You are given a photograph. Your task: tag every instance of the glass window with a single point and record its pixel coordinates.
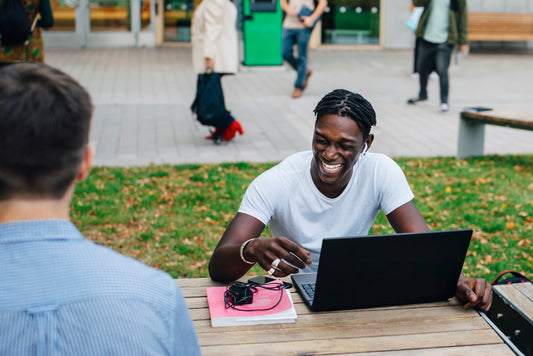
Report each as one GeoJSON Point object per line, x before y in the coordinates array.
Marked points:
{"type": "Point", "coordinates": [351, 22]}
{"type": "Point", "coordinates": [64, 15]}
{"type": "Point", "coordinates": [178, 14]}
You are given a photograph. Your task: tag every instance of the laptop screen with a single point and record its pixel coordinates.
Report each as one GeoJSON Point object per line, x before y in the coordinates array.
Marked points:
{"type": "Point", "coordinates": [380, 270]}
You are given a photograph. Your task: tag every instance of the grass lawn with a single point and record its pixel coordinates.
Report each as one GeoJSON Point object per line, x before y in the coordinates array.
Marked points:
{"type": "Point", "coordinates": [171, 217]}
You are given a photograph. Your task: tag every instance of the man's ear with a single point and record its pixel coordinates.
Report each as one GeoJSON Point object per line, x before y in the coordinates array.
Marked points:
{"type": "Point", "coordinates": [85, 166]}
{"type": "Point", "coordinates": [369, 140]}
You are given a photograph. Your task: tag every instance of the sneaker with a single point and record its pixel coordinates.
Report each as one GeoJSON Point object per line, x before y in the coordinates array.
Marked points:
{"type": "Point", "coordinates": [444, 107]}
{"type": "Point", "coordinates": [416, 99]}
{"type": "Point", "coordinates": [433, 76]}
{"type": "Point", "coordinates": [296, 93]}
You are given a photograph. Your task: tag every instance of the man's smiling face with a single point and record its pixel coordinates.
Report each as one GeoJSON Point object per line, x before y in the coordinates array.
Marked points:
{"type": "Point", "coordinates": [337, 144]}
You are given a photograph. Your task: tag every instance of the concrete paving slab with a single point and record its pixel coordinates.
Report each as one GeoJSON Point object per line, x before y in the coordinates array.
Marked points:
{"type": "Point", "coordinates": [142, 99]}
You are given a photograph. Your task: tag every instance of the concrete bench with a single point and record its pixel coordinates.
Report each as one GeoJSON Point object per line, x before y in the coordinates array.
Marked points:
{"type": "Point", "coordinates": [497, 26]}
{"type": "Point", "coordinates": [472, 128]}
{"type": "Point", "coordinates": [342, 36]}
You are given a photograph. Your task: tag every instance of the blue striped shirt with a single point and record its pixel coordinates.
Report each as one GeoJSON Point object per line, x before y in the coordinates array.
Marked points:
{"type": "Point", "coordinates": [61, 294]}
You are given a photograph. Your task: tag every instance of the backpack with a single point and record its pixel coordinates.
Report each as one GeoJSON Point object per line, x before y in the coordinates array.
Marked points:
{"type": "Point", "coordinates": [15, 27]}
{"type": "Point", "coordinates": [516, 278]}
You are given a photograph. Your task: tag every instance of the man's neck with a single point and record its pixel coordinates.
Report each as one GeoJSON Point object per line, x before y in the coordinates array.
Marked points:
{"type": "Point", "coordinates": [33, 209]}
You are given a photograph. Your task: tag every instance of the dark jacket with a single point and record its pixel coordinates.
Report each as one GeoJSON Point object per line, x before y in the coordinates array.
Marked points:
{"type": "Point", "coordinates": [458, 30]}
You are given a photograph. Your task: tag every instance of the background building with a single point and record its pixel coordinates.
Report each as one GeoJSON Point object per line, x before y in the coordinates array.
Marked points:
{"type": "Point", "coordinates": [150, 23]}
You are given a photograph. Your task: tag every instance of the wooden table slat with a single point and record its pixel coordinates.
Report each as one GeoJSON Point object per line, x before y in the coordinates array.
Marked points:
{"type": "Point", "coordinates": [486, 350]}
{"type": "Point", "coordinates": [369, 315]}
{"type": "Point", "coordinates": [526, 289]}
{"type": "Point", "coordinates": [377, 343]}
{"type": "Point", "coordinates": [314, 332]}
{"type": "Point", "coordinates": [520, 295]}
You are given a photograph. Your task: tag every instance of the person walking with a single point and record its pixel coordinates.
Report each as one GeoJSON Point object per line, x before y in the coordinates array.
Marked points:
{"type": "Point", "coordinates": [442, 25]}
{"type": "Point", "coordinates": [297, 30]}
{"type": "Point", "coordinates": [215, 50]}
{"type": "Point", "coordinates": [33, 49]}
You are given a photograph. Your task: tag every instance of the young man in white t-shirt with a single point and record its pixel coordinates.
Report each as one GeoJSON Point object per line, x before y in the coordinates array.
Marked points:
{"type": "Point", "coordinates": [334, 190]}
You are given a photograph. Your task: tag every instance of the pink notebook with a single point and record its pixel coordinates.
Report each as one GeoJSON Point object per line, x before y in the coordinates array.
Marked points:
{"type": "Point", "coordinates": [284, 312]}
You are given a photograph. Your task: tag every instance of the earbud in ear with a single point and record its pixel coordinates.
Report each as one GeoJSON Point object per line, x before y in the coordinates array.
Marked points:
{"type": "Point", "coordinates": [365, 149]}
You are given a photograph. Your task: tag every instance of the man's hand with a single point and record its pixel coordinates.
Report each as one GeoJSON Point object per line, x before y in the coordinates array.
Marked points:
{"type": "Point", "coordinates": [308, 21]}
{"type": "Point", "coordinates": [266, 250]}
{"type": "Point", "coordinates": [475, 293]}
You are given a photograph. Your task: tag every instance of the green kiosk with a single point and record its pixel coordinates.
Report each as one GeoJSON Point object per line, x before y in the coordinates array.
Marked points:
{"type": "Point", "coordinates": [262, 33]}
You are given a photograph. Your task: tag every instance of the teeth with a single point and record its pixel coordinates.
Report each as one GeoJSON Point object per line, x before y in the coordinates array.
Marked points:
{"type": "Point", "coordinates": [331, 167]}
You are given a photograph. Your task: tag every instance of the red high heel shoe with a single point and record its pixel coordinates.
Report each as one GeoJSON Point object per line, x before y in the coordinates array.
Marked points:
{"type": "Point", "coordinates": [229, 132]}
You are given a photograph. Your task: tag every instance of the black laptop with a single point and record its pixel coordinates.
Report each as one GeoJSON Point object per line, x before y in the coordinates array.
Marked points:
{"type": "Point", "coordinates": [382, 270]}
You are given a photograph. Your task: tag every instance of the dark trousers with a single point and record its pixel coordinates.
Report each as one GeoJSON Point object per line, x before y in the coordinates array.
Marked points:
{"type": "Point", "coordinates": [439, 55]}
{"type": "Point", "coordinates": [415, 59]}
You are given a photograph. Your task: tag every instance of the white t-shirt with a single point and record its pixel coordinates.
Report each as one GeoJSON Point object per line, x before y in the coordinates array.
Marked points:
{"type": "Point", "coordinates": [286, 198]}
{"type": "Point", "coordinates": [293, 22]}
{"type": "Point", "coordinates": [438, 23]}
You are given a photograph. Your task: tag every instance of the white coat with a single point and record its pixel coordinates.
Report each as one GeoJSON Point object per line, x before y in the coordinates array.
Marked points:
{"type": "Point", "coordinates": [214, 35]}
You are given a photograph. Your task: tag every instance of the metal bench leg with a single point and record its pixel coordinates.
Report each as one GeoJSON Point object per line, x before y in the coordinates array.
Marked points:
{"type": "Point", "coordinates": [471, 139]}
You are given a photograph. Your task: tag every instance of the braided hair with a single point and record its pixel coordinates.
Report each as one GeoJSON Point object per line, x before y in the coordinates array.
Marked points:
{"type": "Point", "coordinates": [343, 102]}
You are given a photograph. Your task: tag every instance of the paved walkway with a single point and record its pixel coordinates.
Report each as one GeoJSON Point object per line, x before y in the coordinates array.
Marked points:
{"type": "Point", "coordinates": [142, 99]}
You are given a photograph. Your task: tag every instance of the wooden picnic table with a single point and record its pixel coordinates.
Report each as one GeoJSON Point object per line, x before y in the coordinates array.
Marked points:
{"type": "Point", "coordinates": [441, 328]}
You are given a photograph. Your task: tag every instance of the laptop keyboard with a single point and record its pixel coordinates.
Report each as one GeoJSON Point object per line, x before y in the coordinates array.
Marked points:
{"type": "Point", "coordinates": [309, 288]}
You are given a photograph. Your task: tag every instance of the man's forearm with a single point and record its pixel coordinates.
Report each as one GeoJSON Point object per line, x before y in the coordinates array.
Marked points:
{"type": "Point", "coordinates": [226, 264]}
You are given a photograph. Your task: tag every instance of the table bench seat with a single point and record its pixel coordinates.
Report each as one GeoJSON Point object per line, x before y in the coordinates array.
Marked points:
{"type": "Point", "coordinates": [347, 36]}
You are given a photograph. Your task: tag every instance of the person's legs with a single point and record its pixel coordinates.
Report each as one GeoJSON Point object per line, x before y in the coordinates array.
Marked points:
{"type": "Point", "coordinates": [302, 41]}
{"type": "Point", "coordinates": [442, 62]}
{"type": "Point", "coordinates": [288, 40]}
{"type": "Point", "coordinates": [226, 124]}
{"type": "Point", "coordinates": [425, 58]}
{"type": "Point", "coordinates": [415, 58]}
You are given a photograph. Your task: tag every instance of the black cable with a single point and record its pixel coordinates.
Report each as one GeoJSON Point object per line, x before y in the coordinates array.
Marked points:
{"type": "Point", "coordinates": [240, 293]}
